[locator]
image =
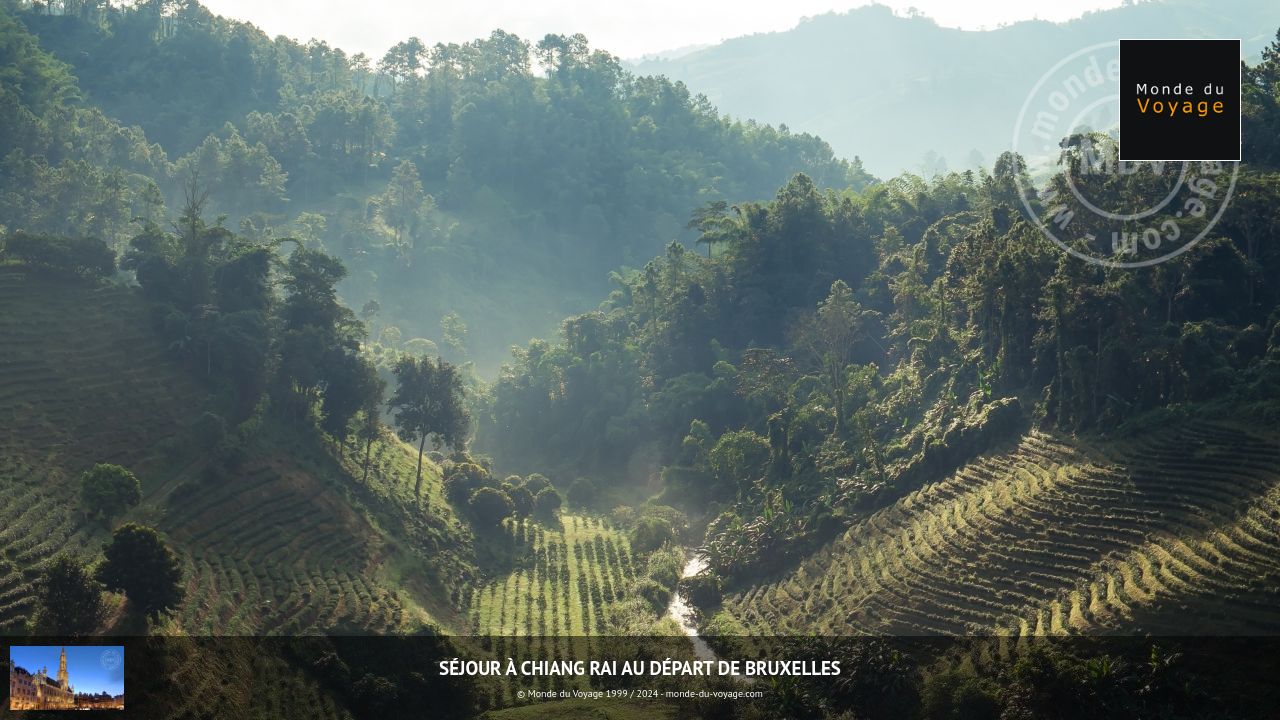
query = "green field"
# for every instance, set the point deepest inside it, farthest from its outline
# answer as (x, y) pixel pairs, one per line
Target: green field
(568, 576)
(1052, 538)
(292, 541)
(75, 388)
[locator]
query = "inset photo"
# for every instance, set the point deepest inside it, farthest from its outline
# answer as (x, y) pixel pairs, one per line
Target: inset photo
(72, 677)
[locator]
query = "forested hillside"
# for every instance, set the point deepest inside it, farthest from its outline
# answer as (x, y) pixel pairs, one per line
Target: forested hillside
(419, 168)
(250, 289)
(835, 350)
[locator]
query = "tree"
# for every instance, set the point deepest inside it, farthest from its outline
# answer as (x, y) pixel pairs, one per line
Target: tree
(547, 502)
(522, 499)
(108, 490)
(404, 203)
(70, 599)
(738, 458)
(88, 258)
(536, 483)
(491, 506)
(140, 564)
(404, 59)
(583, 492)
(829, 336)
(428, 403)
(455, 333)
(370, 427)
(352, 385)
(464, 478)
(714, 225)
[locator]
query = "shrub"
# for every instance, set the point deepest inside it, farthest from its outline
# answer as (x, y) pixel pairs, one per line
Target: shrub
(654, 593)
(665, 567)
(623, 516)
(678, 520)
(536, 483)
(82, 257)
(703, 590)
(490, 506)
(463, 479)
(522, 499)
(209, 430)
(548, 502)
(583, 492)
(955, 695)
(738, 458)
(651, 533)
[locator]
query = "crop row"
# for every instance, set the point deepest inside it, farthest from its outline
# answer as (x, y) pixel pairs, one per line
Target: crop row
(1048, 539)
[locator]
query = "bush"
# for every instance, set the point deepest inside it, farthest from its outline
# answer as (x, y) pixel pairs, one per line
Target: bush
(651, 533)
(82, 257)
(654, 593)
(109, 490)
(461, 480)
(548, 502)
(583, 492)
(665, 567)
(490, 506)
(209, 430)
(536, 483)
(679, 521)
(703, 589)
(522, 499)
(955, 695)
(623, 516)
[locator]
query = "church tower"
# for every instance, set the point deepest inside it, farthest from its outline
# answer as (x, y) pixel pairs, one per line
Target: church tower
(63, 682)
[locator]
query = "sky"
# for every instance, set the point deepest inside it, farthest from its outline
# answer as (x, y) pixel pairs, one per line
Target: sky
(629, 29)
(86, 668)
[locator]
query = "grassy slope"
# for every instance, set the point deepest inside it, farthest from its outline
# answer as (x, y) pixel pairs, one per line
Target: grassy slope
(292, 541)
(1172, 533)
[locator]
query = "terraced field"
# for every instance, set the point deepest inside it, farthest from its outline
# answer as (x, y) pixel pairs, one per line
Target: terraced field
(572, 573)
(1177, 533)
(553, 605)
(232, 678)
(273, 551)
(280, 546)
(68, 399)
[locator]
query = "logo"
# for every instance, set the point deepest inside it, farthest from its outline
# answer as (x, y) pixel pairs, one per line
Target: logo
(1092, 205)
(110, 659)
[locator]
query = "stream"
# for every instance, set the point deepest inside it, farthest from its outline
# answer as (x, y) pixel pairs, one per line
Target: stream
(684, 614)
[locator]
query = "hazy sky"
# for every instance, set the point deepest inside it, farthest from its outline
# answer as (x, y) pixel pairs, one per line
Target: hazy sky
(628, 29)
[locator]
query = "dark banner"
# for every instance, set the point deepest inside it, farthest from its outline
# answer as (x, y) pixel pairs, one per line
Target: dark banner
(513, 677)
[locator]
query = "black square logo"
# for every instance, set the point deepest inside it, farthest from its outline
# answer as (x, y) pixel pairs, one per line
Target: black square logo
(1180, 100)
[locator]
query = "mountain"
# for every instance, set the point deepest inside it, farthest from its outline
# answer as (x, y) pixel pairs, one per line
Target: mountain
(891, 89)
(462, 185)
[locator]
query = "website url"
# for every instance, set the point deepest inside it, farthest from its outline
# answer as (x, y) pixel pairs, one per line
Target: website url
(716, 694)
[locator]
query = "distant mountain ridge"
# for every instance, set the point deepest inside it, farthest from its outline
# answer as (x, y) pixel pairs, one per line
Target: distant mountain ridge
(934, 89)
